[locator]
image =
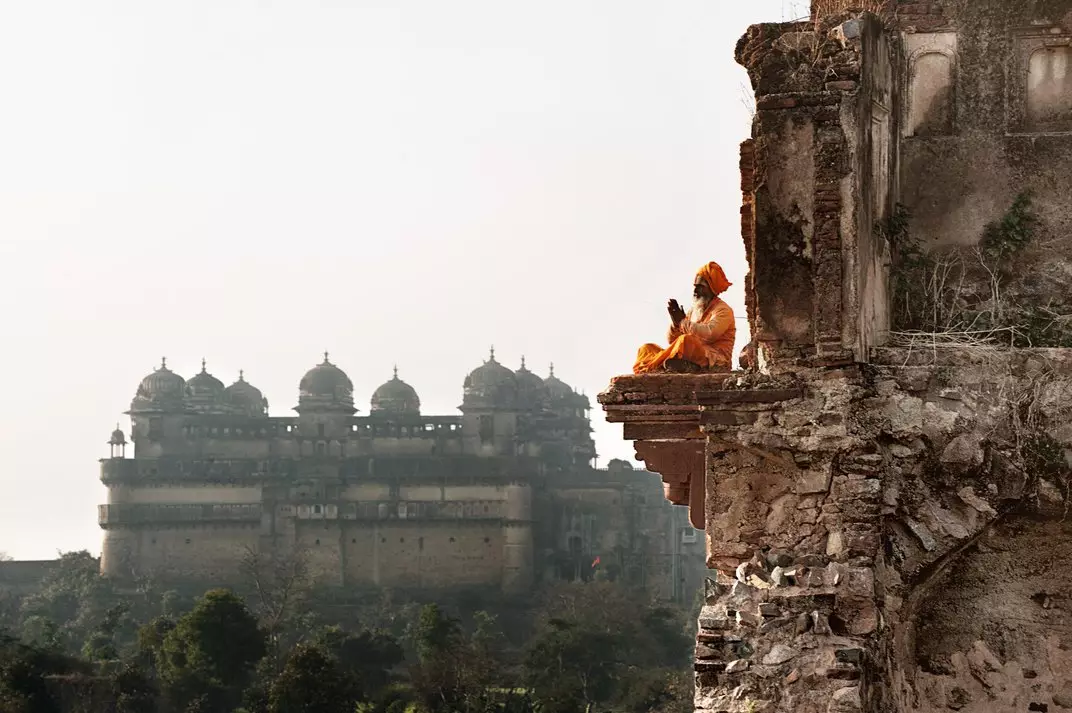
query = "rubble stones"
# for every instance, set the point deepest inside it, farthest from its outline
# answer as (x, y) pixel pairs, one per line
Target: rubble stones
(845, 700)
(737, 666)
(964, 450)
(779, 654)
(970, 498)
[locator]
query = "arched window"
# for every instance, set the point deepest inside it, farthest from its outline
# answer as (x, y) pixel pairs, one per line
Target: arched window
(1049, 89)
(930, 95)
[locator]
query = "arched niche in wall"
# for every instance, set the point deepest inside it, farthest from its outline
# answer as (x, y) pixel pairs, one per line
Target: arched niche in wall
(930, 94)
(1049, 89)
(1039, 91)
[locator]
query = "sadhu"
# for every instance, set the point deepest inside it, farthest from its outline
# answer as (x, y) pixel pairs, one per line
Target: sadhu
(700, 339)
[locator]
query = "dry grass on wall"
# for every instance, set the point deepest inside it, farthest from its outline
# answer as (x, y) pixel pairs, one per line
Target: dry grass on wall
(823, 8)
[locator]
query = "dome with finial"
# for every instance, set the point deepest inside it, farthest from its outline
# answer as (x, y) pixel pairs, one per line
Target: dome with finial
(562, 395)
(118, 437)
(326, 387)
(204, 392)
(490, 385)
(395, 397)
(531, 391)
(557, 389)
(245, 398)
(160, 390)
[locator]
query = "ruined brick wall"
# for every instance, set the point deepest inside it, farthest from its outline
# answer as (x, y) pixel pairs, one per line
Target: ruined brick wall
(878, 534)
(879, 541)
(822, 159)
(748, 230)
(885, 522)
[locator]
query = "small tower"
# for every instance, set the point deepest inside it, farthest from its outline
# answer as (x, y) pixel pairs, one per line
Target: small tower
(157, 412)
(117, 444)
(325, 402)
(489, 409)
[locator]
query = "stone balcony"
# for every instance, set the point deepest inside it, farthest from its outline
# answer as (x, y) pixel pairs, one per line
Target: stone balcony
(668, 418)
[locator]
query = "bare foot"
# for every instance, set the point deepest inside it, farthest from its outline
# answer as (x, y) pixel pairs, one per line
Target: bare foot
(680, 366)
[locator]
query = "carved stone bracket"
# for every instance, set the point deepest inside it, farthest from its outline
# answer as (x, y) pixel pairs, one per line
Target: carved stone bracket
(666, 416)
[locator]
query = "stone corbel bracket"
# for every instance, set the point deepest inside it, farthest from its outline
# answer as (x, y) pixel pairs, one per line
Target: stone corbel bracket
(666, 416)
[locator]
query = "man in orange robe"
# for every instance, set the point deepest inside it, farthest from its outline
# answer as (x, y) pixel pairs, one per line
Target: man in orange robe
(701, 339)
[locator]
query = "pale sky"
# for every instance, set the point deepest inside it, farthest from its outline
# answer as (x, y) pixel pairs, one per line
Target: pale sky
(395, 181)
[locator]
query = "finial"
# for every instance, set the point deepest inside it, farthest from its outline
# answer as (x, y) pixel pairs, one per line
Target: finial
(326, 357)
(396, 371)
(522, 361)
(202, 365)
(163, 362)
(552, 368)
(492, 352)
(241, 374)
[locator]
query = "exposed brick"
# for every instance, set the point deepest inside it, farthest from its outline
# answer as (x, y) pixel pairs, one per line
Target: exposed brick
(843, 85)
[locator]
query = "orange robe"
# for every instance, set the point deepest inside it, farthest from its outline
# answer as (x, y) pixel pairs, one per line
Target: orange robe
(704, 339)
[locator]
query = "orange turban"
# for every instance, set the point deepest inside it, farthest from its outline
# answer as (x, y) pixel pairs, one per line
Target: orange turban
(715, 278)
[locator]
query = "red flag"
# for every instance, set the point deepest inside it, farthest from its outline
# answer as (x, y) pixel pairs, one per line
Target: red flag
(595, 561)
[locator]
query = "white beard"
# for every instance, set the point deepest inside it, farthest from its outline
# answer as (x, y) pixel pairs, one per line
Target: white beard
(699, 306)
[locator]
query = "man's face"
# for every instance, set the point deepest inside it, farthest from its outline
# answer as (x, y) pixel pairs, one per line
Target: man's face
(700, 290)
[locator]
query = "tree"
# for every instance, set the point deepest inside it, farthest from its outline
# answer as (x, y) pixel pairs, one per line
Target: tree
(208, 657)
(23, 676)
(281, 588)
(100, 646)
(571, 667)
(311, 682)
(133, 691)
(74, 597)
(448, 675)
(366, 658)
(599, 642)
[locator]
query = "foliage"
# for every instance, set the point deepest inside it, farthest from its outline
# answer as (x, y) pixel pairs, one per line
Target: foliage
(455, 671)
(594, 645)
(572, 666)
(312, 681)
(600, 643)
(1012, 232)
(209, 656)
(961, 291)
(281, 588)
(367, 658)
(100, 646)
(24, 671)
(72, 603)
(133, 690)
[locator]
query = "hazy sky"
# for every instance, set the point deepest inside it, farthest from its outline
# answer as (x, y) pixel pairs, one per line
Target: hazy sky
(403, 181)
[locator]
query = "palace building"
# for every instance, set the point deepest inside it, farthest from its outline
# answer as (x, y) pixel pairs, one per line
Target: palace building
(503, 495)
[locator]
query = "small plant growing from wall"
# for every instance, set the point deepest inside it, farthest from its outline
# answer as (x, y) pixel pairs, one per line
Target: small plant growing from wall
(956, 296)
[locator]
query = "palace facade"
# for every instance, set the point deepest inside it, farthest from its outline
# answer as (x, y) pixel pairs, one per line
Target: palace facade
(504, 495)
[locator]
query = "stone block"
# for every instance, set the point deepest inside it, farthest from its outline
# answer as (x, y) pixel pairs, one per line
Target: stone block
(845, 700)
(814, 482)
(779, 654)
(738, 666)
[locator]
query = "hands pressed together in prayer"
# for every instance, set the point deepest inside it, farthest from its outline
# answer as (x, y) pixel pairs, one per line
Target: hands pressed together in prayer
(677, 314)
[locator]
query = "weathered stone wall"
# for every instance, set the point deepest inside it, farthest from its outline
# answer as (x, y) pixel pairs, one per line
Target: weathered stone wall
(203, 553)
(987, 118)
(885, 523)
(844, 507)
(822, 160)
